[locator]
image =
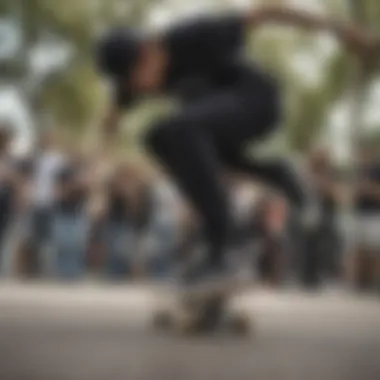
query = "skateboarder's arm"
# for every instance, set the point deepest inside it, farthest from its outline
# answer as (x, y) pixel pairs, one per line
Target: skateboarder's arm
(354, 37)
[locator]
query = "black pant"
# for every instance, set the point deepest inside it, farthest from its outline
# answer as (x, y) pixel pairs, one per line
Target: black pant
(209, 135)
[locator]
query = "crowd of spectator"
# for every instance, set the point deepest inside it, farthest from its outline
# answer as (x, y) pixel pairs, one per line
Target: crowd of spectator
(67, 215)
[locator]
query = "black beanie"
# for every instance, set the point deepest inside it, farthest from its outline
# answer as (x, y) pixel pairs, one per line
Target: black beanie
(117, 52)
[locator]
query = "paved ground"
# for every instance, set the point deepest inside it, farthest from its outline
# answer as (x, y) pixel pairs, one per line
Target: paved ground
(90, 332)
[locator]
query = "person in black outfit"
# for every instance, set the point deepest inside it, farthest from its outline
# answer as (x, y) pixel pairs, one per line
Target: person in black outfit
(224, 101)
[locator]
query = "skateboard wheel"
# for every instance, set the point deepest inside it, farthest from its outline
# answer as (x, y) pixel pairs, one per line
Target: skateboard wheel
(163, 320)
(188, 325)
(240, 324)
(187, 328)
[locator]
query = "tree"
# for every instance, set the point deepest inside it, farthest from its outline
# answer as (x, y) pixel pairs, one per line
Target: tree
(71, 95)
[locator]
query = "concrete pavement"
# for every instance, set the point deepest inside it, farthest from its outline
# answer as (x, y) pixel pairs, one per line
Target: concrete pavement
(96, 332)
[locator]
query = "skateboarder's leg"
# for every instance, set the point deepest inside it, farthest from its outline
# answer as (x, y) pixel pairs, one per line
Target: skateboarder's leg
(274, 173)
(189, 154)
(191, 144)
(256, 117)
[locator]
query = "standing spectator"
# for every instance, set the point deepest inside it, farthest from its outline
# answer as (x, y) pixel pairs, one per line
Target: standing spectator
(21, 261)
(118, 232)
(13, 185)
(270, 228)
(70, 220)
(243, 207)
(322, 256)
(99, 168)
(127, 216)
(166, 227)
(47, 163)
(6, 186)
(367, 207)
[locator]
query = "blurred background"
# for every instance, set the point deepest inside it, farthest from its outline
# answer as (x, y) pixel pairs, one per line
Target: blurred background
(77, 219)
(71, 210)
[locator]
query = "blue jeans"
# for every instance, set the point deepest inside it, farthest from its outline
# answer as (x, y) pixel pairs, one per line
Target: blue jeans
(160, 263)
(40, 236)
(118, 238)
(70, 238)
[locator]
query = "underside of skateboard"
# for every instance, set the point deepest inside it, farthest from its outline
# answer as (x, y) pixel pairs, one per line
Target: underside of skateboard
(202, 316)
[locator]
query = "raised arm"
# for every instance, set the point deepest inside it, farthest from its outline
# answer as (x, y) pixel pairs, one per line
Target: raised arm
(352, 36)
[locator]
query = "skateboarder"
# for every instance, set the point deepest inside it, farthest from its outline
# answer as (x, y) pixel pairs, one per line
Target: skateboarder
(224, 103)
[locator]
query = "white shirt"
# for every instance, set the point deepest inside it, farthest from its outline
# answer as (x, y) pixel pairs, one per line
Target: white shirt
(167, 202)
(47, 166)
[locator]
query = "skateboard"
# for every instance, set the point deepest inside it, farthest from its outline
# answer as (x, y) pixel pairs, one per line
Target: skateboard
(204, 310)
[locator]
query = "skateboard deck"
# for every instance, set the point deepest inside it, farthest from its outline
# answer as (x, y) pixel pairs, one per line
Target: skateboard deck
(204, 310)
